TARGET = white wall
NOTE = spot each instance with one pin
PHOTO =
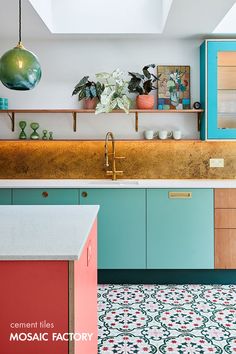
(64, 62)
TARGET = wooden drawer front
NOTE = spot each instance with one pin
(45, 196)
(225, 218)
(225, 198)
(225, 249)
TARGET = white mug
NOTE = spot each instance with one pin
(177, 134)
(149, 134)
(164, 134)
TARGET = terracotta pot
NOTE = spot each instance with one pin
(145, 102)
(90, 103)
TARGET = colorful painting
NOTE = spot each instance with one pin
(173, 87)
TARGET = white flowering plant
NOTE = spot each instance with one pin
(176, 82)
(114, 95)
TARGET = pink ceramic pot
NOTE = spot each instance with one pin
(145, 102)
(90, 103)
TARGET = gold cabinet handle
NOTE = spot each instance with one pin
(84, 194)
(120, 157)
(180, 195)
(45, 194)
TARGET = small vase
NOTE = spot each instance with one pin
(145, 102)
(174, 98)
(90, 103)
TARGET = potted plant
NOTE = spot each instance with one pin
(143, 84)
(114, 95)
(89, 91)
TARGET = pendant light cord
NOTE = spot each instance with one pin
(19, 21)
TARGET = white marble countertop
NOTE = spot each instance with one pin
(121, 183)
(45, 232)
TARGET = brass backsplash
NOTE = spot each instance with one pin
(144, 159)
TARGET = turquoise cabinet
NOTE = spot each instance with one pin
(180, 230)
(218, 89)
(121, 226)
(5, 196)
(51, 196)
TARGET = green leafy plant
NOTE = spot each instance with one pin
(114, 95)
(143, 83)
(88, 89)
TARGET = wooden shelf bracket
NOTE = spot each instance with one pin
(136, 121)
(12, 118)
(199, 117)
(74, 114)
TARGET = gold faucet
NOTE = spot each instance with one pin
(114, 173)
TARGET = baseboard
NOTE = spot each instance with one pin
(166, 276)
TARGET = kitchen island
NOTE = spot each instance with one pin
(48, 271)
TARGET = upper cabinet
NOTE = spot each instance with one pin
(218, 89)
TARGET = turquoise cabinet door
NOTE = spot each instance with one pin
(121, 227)
(180, 232)
(5, 196)
(213, 50)
(51, 196)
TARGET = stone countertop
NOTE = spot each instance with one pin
(45, 232)
(121, 183)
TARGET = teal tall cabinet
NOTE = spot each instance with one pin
(121, 226)
(180, 229)
(218, 89)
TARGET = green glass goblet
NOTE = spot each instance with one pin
(22, 125)
(34, 135)
(44, 137)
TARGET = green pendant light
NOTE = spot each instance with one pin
(19, 68)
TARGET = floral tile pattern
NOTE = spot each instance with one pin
(178, 319)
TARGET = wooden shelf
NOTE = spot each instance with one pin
(12, 113)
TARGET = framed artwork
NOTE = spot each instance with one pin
(173, 87)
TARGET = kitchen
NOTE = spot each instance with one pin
(118, 219)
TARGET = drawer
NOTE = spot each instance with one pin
(5, 196)
(225, 198)
(225, 249)
(225, 218)
(42, 196)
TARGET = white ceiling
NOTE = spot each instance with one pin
(48, 19)
(228, 23)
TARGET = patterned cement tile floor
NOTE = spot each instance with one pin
(184, 319)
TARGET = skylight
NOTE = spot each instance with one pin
(103, 16)
(228, 23)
